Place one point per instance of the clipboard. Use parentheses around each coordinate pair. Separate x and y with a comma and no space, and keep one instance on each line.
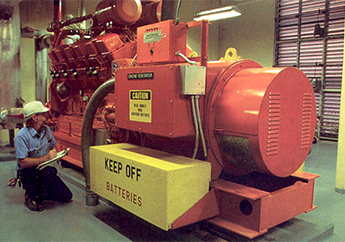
(59,156)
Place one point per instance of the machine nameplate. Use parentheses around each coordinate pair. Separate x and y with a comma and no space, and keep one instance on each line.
(140,76)
(140,103)
(153,36)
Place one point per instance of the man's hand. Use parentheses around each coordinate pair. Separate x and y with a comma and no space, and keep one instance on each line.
(30,162)
(52,154)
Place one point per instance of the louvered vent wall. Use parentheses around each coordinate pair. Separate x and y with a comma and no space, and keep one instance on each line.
(310,36)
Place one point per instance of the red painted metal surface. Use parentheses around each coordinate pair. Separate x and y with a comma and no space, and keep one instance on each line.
(170,114)
(250,211)
(268,117)
(73,142)
(158,43)
(218,80)
(120,12)
(205,208)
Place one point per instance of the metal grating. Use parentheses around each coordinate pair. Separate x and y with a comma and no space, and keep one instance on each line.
(310,36)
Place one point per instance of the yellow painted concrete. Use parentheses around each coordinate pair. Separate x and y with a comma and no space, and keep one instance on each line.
(158,187)
(340,173)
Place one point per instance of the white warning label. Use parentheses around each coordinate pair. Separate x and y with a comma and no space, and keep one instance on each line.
(154,36)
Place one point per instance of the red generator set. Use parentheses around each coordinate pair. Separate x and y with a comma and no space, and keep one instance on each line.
(221,140)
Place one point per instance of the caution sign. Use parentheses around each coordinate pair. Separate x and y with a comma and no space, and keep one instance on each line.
(140,106)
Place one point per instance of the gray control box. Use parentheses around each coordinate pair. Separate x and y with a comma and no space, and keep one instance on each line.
(193,79)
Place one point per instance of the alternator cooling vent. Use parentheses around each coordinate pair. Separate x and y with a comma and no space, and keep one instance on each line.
(306,120)
(273,124)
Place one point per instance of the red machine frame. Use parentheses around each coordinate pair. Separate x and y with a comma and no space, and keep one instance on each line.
(147,108)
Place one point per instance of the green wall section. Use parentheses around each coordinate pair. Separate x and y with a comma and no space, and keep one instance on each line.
(252,33)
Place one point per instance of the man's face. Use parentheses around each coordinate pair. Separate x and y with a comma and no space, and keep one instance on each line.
(40,119)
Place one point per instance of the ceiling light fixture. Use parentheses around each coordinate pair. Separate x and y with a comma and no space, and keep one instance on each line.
(218,13)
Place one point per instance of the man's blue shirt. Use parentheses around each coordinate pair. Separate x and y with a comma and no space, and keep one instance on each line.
(29,143)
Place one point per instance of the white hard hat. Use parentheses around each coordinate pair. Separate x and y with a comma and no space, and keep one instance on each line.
(34,108)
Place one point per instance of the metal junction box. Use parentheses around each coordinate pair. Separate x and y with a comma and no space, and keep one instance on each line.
(150,100)
(148,182)
(160,41)
(193,79)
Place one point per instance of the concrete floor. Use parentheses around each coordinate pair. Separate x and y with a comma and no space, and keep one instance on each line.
(76,222)
(331,205)
(58,222)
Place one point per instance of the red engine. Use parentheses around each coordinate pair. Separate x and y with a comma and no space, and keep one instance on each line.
(240,117)
(80,68)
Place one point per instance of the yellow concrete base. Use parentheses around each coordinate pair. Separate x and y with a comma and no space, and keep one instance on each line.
(158,187)
(340,172)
